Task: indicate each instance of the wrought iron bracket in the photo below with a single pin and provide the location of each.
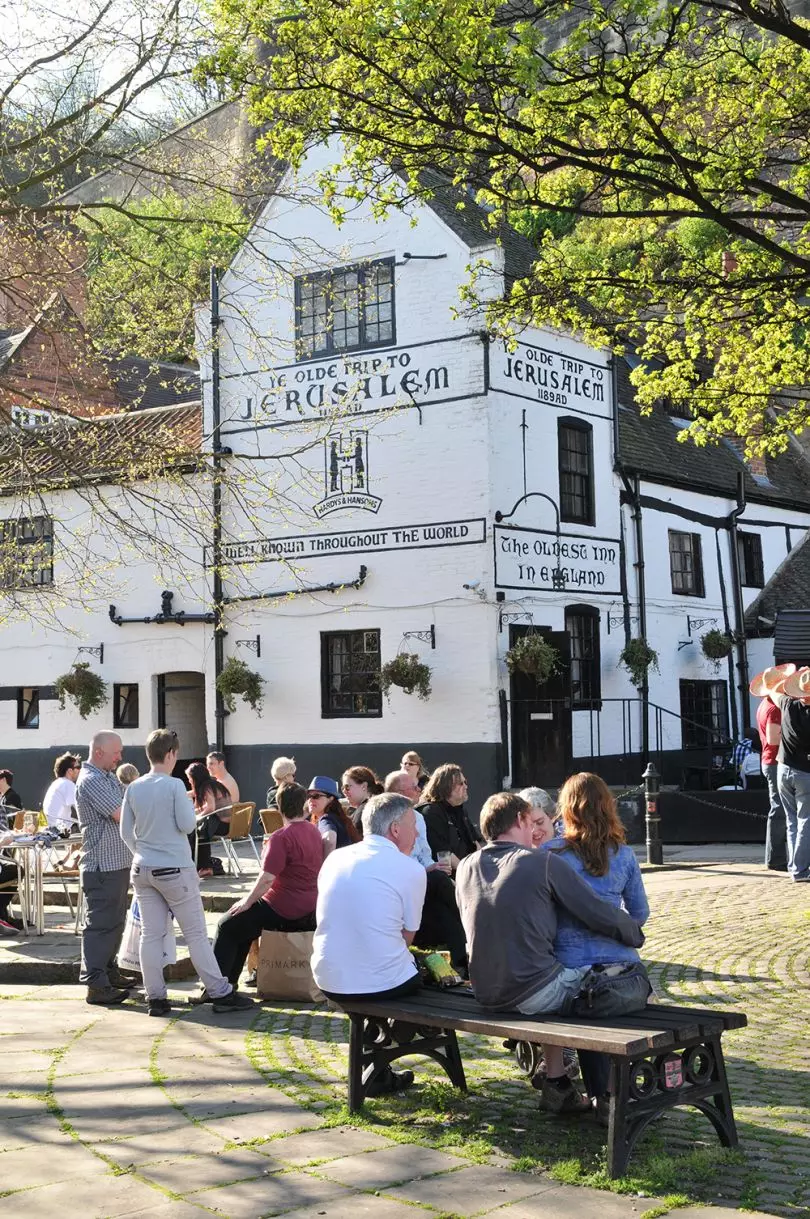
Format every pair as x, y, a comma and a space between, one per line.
94, 651
253, 645
428, 636
506, 616
685, 643
697, 623
614, 620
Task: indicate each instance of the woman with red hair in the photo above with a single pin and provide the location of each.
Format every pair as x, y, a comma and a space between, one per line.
593, 844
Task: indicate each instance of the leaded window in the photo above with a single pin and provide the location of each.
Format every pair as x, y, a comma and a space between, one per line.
575, 446
704, 713
582, 625
350, 674
26, 552
347, 309
686, 564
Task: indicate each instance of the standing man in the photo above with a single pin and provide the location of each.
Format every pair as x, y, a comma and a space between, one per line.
216, 768
794, 769
105, 864
769, 727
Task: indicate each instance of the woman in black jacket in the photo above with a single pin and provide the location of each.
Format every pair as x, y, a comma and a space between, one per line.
448, 826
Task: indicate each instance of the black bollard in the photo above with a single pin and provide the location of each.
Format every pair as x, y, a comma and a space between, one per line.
652, 789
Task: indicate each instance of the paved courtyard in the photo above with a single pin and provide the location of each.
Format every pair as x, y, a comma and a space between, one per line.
107, 1113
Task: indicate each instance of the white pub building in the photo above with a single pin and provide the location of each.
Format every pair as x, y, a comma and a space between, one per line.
434, 491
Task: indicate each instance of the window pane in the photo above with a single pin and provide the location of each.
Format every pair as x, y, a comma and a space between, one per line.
26, 552
126, 706
576, 475
345, 309
351, 674
379, 303
28, 707
583, 629
685, 563
704, 708
313, 314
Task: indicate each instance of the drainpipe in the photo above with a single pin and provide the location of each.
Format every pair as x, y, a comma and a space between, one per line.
634, 497
216, 539
739, 613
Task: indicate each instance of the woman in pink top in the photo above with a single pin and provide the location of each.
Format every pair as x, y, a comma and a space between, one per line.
284, 896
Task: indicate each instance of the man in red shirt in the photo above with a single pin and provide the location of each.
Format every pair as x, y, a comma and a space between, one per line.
285, 895
769, 726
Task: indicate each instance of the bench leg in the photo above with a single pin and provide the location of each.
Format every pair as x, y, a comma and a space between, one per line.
717, 1107
619, 1145
453, 1065
356, 1063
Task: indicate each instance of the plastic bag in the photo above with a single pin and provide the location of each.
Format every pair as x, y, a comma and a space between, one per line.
129, 952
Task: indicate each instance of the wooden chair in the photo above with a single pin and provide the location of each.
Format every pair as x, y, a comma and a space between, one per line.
271, 819
238, 831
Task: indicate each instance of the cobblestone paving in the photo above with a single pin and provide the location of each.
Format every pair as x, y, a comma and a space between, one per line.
104, 1114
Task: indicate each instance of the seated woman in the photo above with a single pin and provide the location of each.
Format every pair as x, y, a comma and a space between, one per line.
593, 844
212, 804
324, 810
286, 892
448, 826
359, 784
544, 813
413, 764
281, 771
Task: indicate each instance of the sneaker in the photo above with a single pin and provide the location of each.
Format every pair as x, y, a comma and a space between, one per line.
106, 996
160, 1007
14, 922
234, 1002
563, 1099
6, 929
390, 1082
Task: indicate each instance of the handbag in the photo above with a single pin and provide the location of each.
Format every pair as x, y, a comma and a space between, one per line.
613, 990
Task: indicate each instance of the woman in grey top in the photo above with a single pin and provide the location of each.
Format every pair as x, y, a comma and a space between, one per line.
156, 818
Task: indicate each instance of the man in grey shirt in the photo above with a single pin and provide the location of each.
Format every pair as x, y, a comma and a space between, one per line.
507, 894
105, 863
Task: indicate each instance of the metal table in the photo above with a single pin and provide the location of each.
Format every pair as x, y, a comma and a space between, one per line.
30, 849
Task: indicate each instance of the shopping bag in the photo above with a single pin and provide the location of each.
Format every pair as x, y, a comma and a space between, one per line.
129, 953
284, 968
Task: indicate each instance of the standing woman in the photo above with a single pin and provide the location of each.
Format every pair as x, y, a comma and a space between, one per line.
449, 829
415, 768
212, 804
324, 809
358, 784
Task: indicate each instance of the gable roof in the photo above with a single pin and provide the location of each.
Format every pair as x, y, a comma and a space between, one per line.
787, 589
121, 448
649, 446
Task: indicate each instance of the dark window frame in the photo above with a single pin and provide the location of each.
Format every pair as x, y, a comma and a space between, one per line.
680, 574
713, 695
122, 705
305, 345
570, 510
22, 532
366, 683
749, 558
28, 710
591, 699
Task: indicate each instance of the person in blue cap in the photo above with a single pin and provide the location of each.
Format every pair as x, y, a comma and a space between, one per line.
324, 810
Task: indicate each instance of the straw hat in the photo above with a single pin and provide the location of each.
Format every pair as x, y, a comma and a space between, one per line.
798, 685
771, 680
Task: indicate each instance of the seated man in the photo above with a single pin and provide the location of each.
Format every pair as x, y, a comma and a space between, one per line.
507, 894
283, 898
370, 898
441, 923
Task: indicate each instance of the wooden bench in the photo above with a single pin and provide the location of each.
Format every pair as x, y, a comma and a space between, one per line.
659, 1058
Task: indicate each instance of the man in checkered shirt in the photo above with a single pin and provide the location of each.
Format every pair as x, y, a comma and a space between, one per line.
105, 866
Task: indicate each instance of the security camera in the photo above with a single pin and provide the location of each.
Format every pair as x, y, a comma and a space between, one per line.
473, 584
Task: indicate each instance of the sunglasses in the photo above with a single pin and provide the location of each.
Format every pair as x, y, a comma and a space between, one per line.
317, 796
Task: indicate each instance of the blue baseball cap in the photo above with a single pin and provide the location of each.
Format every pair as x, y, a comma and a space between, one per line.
322, 783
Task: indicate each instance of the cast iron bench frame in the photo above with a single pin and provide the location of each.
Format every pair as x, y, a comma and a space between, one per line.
639, 1047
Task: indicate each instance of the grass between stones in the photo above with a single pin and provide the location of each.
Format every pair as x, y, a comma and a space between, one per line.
737, 950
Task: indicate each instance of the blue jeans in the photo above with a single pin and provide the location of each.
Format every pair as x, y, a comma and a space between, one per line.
794, 792
776, 829
557, 995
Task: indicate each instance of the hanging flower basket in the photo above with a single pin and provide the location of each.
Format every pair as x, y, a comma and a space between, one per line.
638, 658
535, 656
716, 646
83, 687
407, 672
237, 680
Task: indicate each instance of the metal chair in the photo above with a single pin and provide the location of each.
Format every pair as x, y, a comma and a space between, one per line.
271, 820
238, 831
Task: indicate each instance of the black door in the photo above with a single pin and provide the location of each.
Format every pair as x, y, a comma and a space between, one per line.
541, 718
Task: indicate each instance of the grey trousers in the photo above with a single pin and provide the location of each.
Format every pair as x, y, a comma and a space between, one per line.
160, 890
105, 895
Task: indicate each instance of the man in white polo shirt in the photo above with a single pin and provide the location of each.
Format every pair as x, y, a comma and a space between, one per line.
370, 897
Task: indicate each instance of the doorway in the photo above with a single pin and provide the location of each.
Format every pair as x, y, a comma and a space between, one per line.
181, 706
541, 717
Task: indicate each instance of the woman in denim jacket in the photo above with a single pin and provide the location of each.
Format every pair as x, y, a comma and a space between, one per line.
593, 844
